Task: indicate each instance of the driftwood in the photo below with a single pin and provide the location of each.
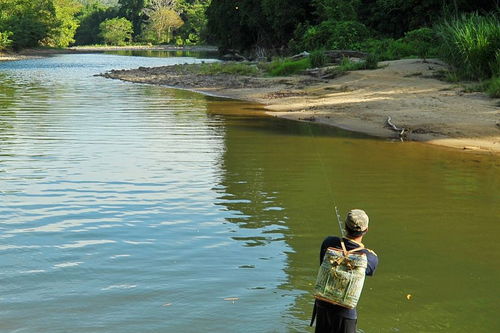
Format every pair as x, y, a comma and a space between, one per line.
231, 55
324, 73
401, 130
300, 55
334, 56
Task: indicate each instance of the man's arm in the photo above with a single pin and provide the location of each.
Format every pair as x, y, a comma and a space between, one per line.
372, 262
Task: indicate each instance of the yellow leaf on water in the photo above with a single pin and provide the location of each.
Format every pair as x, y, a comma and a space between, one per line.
408, 297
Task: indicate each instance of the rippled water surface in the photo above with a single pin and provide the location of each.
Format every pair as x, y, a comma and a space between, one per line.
135, 208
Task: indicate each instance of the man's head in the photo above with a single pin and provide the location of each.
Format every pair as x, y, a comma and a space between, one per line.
356, 223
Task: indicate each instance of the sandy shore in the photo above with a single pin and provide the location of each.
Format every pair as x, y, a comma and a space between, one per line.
432, 111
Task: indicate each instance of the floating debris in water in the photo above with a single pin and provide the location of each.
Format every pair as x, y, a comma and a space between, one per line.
409, 296
231, 299
167, 304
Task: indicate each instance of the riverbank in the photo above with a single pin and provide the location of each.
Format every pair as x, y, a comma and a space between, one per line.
406, 90
45, 52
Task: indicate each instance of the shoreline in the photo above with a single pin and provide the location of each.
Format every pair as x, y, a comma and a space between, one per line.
432, 111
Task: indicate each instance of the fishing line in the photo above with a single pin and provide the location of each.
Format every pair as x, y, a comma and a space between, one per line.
323, 170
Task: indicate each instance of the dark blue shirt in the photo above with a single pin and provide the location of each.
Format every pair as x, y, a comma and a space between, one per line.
371, 257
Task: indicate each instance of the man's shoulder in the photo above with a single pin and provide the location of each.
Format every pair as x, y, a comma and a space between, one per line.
331, 241
371, 251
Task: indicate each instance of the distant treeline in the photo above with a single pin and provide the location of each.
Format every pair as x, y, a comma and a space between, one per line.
60, 23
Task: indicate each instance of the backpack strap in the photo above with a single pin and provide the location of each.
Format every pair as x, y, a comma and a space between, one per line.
344, 249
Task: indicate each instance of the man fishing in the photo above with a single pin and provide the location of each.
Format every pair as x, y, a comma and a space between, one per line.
332, 315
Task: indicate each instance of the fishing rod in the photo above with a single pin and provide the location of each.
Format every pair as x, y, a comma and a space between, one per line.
340, 222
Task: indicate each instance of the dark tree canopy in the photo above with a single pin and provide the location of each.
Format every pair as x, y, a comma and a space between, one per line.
246, 24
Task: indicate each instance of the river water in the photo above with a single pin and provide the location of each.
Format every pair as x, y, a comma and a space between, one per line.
135, 208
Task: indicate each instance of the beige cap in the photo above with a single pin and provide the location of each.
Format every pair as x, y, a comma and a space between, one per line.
356, 220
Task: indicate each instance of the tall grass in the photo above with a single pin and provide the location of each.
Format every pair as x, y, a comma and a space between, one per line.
470, 44
283, 67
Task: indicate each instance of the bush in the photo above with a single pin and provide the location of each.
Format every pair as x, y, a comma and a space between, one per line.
422, 41
470, 45
116, 31
387, 49
5, 40
282, 67
318, 58
493, 87
333, 35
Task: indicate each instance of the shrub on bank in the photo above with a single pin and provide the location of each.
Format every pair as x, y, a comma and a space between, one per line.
331, 34
423, 42
5, 40
470, 44
493, 87
318, 58
280, 67
116, 31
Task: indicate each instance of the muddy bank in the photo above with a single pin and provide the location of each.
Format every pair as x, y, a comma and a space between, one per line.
430, 110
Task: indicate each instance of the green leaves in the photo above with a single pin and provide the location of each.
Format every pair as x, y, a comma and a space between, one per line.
116, 31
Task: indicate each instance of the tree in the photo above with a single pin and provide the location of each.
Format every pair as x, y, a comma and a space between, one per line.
195, 21
255, 23
116, 31
64, 25
340, 10
163, 18
28, 20
90, 17
229, 32
132, 10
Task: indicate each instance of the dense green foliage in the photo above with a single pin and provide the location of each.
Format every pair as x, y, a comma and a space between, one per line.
116, 31
60, 23
5, 40
318, 58
90, 17
471, 44
464, 33
132, 10
28, 21
308, 25
64, 24
493, 87
255, 23
195, 21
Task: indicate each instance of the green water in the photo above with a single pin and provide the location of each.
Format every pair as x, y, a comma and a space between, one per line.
135, 208
434, 212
